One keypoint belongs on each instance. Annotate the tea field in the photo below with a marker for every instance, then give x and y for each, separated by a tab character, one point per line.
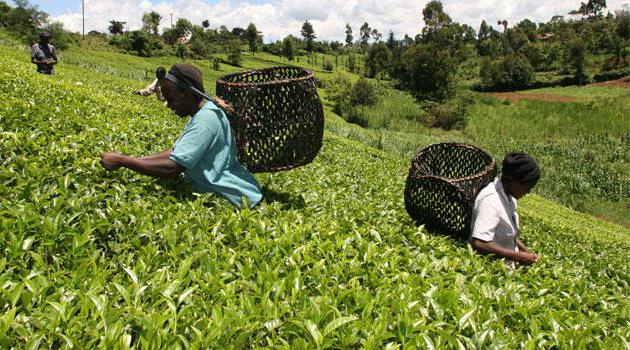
330	259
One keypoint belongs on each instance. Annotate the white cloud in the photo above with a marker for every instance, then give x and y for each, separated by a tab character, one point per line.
278	18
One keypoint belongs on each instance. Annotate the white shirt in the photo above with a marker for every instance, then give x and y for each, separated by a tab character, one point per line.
494	217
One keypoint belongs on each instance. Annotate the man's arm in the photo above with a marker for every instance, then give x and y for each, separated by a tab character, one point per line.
493	248
161	155
158	167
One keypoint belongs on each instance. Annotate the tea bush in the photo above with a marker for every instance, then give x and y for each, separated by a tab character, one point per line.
330	259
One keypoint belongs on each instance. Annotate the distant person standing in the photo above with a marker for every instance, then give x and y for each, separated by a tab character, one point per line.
495	223
44	55
154	87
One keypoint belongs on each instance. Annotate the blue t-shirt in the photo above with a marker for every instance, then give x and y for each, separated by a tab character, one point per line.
207	150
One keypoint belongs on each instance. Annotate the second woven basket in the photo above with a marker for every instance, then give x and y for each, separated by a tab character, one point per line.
442	184
279	118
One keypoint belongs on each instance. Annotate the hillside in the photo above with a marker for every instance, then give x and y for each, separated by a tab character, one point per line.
330	259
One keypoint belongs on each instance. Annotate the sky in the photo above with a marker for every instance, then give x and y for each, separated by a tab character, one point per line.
279	18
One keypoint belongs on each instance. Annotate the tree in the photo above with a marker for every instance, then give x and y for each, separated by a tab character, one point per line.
182	28
377	59
593	8
288	48
507	73
391	41
253	37
349	36
365	32
435	19
308	33
24	21
427	72
205	24
575	58
151	22
116	27
234	53
376	35
528	27
470	36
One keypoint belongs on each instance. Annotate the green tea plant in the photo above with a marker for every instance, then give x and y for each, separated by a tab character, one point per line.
330	259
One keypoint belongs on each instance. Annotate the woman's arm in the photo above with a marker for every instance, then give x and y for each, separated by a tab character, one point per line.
158	167
493	248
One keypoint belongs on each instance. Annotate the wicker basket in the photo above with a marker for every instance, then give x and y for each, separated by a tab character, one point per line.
278	119
442	184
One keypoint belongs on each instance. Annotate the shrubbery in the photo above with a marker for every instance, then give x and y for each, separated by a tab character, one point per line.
507	73
348	99
448	115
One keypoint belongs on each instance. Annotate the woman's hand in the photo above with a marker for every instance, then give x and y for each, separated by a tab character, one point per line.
527	258
111	161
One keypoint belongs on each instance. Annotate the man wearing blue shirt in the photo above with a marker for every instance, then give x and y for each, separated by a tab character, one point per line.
206	150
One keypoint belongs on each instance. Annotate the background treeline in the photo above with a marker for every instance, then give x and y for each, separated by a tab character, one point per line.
591	44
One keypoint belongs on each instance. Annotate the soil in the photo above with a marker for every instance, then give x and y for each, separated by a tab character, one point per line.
517	96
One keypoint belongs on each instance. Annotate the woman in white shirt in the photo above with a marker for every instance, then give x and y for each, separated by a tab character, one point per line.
495	225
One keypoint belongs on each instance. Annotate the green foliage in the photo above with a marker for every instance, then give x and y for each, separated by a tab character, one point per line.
575	59
253	37
234	55
151	22
116	27
363	93
288	48
427	72
507	73
139	42
448	115
377	59
308	33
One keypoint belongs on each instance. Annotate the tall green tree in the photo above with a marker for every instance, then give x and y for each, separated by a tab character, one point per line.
308	33
349	36
365	31
288	48
151	22
253	37
116	27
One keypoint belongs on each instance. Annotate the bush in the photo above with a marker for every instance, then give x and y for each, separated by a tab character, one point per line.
427	72
507	73
363	93
611	74
449	115
234	56
328	66
575	60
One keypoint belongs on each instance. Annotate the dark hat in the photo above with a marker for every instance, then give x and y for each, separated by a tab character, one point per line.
190	73
520	167
45	34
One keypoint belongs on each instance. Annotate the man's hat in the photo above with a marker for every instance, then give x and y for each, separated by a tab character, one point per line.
45	34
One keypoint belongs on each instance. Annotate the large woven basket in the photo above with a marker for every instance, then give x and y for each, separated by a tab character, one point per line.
278	117
442	184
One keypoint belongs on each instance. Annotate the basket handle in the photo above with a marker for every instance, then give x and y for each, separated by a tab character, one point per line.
224	105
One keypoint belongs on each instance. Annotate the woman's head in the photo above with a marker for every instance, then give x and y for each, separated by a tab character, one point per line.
519	174
176	85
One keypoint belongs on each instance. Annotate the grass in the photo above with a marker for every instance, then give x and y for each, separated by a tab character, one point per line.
330	259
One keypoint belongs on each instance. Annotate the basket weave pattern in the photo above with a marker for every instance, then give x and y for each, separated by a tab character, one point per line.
442	184
278	119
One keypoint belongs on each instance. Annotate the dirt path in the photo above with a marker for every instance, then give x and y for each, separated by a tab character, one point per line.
517	96
623	82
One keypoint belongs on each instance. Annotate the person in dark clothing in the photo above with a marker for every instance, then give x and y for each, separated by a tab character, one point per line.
44	55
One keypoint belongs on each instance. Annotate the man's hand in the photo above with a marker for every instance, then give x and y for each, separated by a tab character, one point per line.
111	161
527	258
